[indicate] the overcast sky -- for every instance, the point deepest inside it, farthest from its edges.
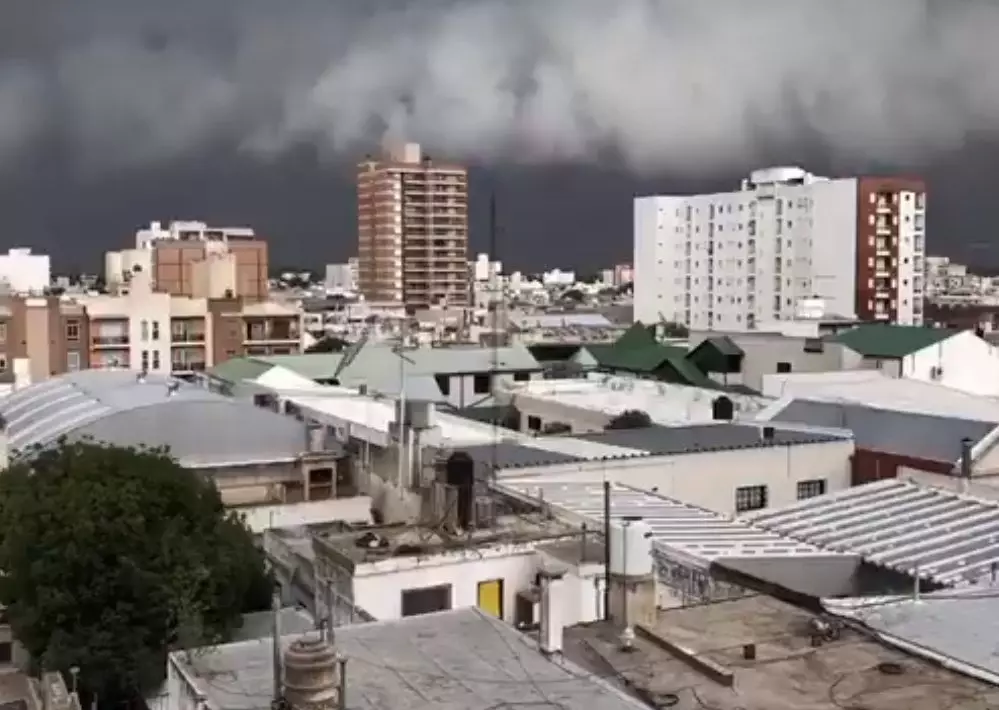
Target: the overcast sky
(115, 112)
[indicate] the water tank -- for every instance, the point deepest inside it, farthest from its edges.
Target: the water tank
(315, 438)
(631, 548)
(311, 678)
(415, 414)
(722, 409)
(460, 473)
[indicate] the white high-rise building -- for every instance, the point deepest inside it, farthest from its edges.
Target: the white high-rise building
(730, 261)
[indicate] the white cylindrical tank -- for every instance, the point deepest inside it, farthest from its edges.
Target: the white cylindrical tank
(631, 548)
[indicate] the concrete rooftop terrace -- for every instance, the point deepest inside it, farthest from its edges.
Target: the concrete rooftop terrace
(787, 674)
(453, 660)
(376, 544)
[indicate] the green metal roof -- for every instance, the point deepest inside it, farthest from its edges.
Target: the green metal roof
(238, 369)
(890, 341)
(638, 351)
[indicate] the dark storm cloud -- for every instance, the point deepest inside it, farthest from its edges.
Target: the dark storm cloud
(691, 86)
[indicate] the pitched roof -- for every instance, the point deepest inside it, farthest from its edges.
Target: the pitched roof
(921, 436)
(238, 369)
(723, 344)
(638, 351)
(890, 341)
(314, 366)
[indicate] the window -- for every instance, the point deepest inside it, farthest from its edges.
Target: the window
(481, 384)
(426, 600)
(814, 345)
(783, 367)
(73, 331)
(156, 359)
(73, 360)
(6, 653)
(3, 362)
(521, 376)
(443, 384)
(144, 331)
(156, 330)
(810, 489)
(145, 360)
(534, 423)
(750, 498)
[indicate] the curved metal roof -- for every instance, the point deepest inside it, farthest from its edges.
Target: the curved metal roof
(201, 428)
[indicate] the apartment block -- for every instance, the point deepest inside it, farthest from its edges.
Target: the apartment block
(40, 337)
(731, 261)
(148, 330)
(195, 260)
(412, 230)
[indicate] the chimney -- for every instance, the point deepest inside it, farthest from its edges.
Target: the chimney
(966, 461)
(315, 442)
(552, 626)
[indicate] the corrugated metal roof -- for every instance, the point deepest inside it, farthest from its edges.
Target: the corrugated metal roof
(920, 436)
(679, 530)
(201, 428)
(510, 454)
(238, 369)
(700, 438)
(315, 366)
(945, 537)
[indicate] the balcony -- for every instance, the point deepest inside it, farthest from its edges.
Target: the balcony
(185, 337)
(109, 341)
(193, 366)
(271, 333)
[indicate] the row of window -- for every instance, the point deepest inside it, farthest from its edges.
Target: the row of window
(749, 498)
(481, 384)
(155, 360)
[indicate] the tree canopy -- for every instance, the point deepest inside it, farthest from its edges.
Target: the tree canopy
(114, 556)
(630, 419)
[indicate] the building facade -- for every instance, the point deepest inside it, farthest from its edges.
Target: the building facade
(193, 259)
(40, 337)
(730, 261)
(412, 230)
(24, 272)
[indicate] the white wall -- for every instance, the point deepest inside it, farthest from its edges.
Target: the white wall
(25, 272)
(378, 586)
(709, 480)
(265, 517)
(968, 363)
(729, 261)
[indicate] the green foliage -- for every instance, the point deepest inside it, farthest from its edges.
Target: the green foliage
(114, 556)
(630, 419)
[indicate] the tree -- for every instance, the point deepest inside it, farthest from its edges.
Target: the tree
(556, 428)
(114, 556)
(573, 295)
(675, 330)
(328, 344)
(630, 419)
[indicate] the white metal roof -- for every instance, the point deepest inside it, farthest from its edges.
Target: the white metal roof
(940, 535)
(679, 530)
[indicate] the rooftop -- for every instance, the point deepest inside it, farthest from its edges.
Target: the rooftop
(202, 429)
(879, 340)
(918, 436)
(387, 542)
(455, 660)
(680, 531)
(962, 627)
(938, 535)
(788, 673)
(874, 388)
(611, 395)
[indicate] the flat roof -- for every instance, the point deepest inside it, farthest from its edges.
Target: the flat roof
(702, 438)
(694, 534)
(788, 673)
(665, 403)
(941, 536)
(386, 542)
(450, 660)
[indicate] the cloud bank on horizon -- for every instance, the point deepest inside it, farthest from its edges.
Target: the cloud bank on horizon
(666, 84)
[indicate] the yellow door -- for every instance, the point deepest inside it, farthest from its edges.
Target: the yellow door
(491, 597)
